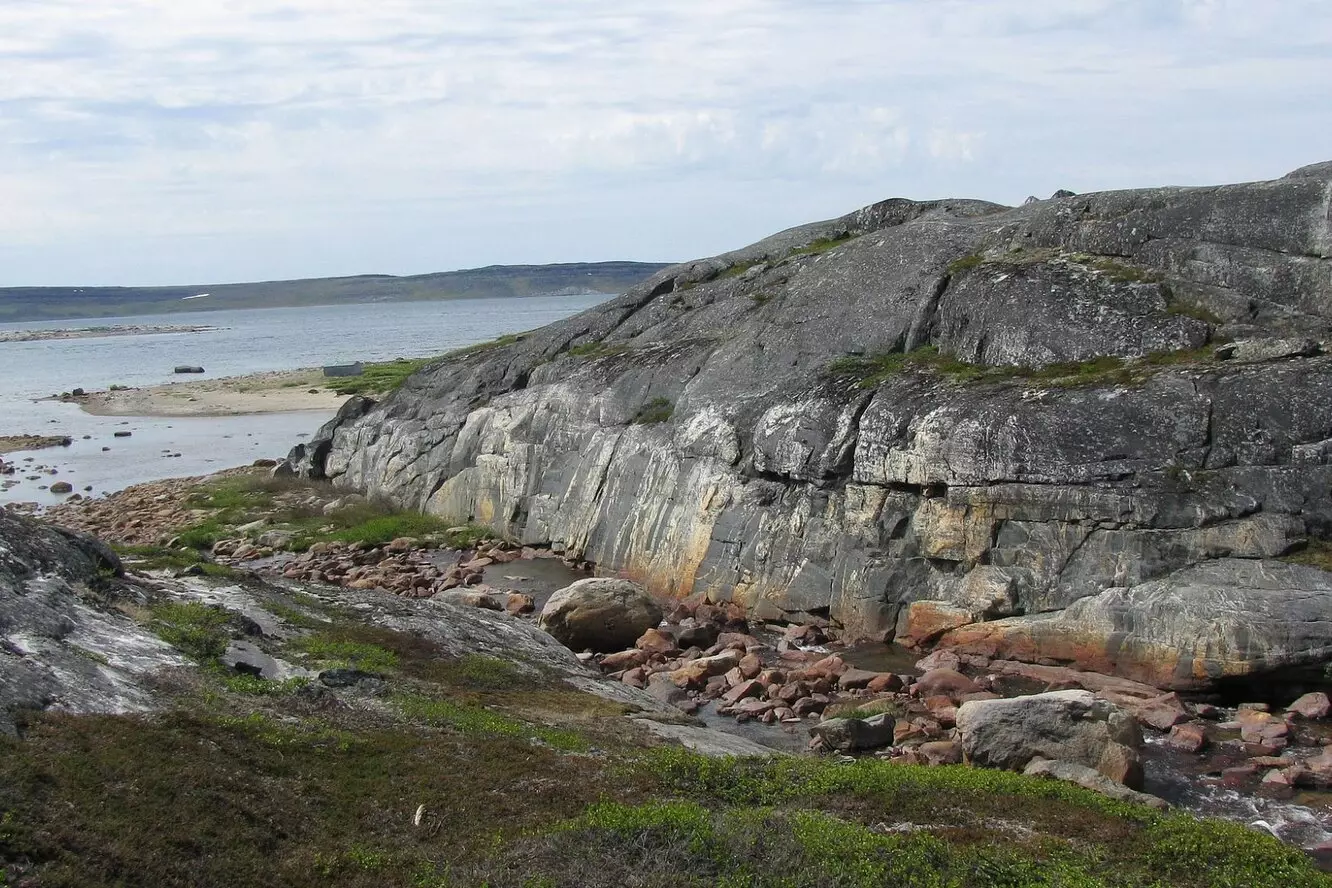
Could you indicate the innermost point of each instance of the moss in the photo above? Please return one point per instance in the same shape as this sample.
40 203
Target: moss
738 269
1314 553
965 264
1185 309
1116 269
598 350
872 371
654 411
822 245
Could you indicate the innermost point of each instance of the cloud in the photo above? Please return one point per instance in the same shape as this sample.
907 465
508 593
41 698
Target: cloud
150 141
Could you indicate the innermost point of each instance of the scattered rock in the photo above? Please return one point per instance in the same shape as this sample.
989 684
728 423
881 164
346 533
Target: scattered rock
1090 778
600 614
1069 726
855 734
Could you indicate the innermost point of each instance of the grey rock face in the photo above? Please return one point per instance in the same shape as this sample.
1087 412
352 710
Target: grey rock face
602 615
1090 778
1066 726
739 426
58 649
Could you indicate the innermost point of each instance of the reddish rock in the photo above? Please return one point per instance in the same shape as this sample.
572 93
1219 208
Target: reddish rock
927 621
884 683
1162 713
635 678
946 682
1190 738
792 691
657 642
942 709
695 673
1312 706
806 634
855 679
750 666
941 659
809 705
624 660
1238 776
744 690
517 603
830 666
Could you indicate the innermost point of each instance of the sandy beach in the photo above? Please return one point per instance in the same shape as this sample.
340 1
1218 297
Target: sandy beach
281 391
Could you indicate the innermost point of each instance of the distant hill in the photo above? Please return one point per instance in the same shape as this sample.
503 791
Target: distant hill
48 303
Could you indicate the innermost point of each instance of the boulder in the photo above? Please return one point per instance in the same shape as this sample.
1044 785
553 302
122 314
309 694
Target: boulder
1190 738
944 682
1069 726
599 614
1090 778
1311 706
855 734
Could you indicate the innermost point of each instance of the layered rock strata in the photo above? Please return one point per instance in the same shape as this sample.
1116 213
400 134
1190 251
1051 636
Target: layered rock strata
1079 431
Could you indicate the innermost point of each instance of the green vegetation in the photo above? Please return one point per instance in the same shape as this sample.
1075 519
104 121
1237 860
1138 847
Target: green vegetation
822 245
872 371
1315 553
1185 309
1116 270
478 773
598 350
193 628
739 269
965 264
654 411
283 505
163 558
330 651
478 721
761 297
378 378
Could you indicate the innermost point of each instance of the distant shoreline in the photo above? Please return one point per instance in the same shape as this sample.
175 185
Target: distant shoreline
275 391
97 332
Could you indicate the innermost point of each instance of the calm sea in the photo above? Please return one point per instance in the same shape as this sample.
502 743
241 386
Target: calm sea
243 342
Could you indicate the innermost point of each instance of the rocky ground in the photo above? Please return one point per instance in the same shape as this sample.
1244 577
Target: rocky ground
791 685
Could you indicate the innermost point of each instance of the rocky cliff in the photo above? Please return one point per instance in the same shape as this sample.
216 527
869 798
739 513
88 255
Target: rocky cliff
1078 431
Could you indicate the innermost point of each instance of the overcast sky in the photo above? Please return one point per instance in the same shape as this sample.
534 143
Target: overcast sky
198 141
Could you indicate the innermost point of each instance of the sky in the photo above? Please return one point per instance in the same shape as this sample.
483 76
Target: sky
169 142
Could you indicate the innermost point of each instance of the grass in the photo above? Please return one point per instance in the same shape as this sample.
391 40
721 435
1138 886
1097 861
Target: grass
331 651
872 371
739 269
195 629
163 558
482 723
1182 308
378 378
654 411
266 787
282 504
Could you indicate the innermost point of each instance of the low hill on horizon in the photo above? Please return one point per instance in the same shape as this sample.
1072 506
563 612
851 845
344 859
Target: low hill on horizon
54 303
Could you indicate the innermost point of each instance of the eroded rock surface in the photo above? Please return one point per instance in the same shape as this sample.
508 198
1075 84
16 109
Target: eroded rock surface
60 646
925 417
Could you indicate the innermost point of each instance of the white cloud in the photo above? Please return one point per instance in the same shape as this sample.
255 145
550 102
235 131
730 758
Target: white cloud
153 141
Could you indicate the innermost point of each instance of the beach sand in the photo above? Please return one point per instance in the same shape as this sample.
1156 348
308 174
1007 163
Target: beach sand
280 391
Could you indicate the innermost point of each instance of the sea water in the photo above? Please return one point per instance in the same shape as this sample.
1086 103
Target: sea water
241 342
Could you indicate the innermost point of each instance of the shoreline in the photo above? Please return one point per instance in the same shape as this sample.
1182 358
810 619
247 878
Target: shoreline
272 391
100 332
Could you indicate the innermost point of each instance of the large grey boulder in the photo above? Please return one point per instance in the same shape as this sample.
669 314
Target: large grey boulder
600 614
1068 726
855 734
998 411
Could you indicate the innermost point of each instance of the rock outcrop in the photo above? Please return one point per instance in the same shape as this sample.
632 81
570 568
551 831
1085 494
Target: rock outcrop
60 646
1073 431
1061 726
